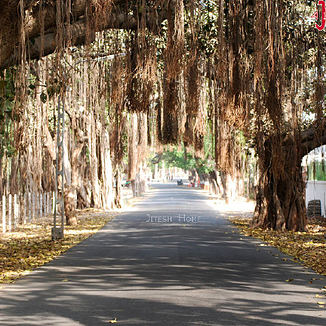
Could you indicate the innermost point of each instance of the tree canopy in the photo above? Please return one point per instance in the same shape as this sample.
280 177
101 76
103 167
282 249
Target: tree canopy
146 74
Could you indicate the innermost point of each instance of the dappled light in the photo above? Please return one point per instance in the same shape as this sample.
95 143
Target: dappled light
176 273
162 162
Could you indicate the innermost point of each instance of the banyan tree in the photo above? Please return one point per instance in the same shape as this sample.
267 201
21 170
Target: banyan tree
135 74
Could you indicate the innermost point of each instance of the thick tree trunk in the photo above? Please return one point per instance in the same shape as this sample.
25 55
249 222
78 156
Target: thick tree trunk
280 201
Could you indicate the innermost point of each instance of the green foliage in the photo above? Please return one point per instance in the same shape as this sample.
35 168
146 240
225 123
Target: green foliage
175 158
43 97
317 171
124 141
208 31
187 161
7 94
7 101
10 150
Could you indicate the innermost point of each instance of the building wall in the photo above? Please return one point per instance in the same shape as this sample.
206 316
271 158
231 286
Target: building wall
316 190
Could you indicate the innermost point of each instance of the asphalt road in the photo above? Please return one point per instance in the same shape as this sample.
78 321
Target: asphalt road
172 260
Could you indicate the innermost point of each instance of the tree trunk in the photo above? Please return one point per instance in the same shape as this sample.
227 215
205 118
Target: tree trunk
70 199
280 201
222 185
106 170
93 161
1 178
118 189
14 175
132 155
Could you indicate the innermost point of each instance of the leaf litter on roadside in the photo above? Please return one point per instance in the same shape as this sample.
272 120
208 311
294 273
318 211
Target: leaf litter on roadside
30 246
308 248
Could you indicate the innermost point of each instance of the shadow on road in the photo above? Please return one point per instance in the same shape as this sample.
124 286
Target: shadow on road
166 274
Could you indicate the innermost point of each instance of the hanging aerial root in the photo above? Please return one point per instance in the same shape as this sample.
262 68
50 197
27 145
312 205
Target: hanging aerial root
173 72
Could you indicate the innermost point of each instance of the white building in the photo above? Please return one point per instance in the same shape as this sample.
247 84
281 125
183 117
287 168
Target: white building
316 189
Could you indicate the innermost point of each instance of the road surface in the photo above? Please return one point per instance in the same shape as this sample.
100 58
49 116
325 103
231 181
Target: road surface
171 260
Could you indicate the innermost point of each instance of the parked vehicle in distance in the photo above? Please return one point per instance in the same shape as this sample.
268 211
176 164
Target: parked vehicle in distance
125 183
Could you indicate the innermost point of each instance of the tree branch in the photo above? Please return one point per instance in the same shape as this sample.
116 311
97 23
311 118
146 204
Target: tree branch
313 137
117 19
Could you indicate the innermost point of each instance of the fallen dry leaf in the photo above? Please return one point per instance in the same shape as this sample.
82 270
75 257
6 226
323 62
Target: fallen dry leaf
30 246
320 296
307 248
113 321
